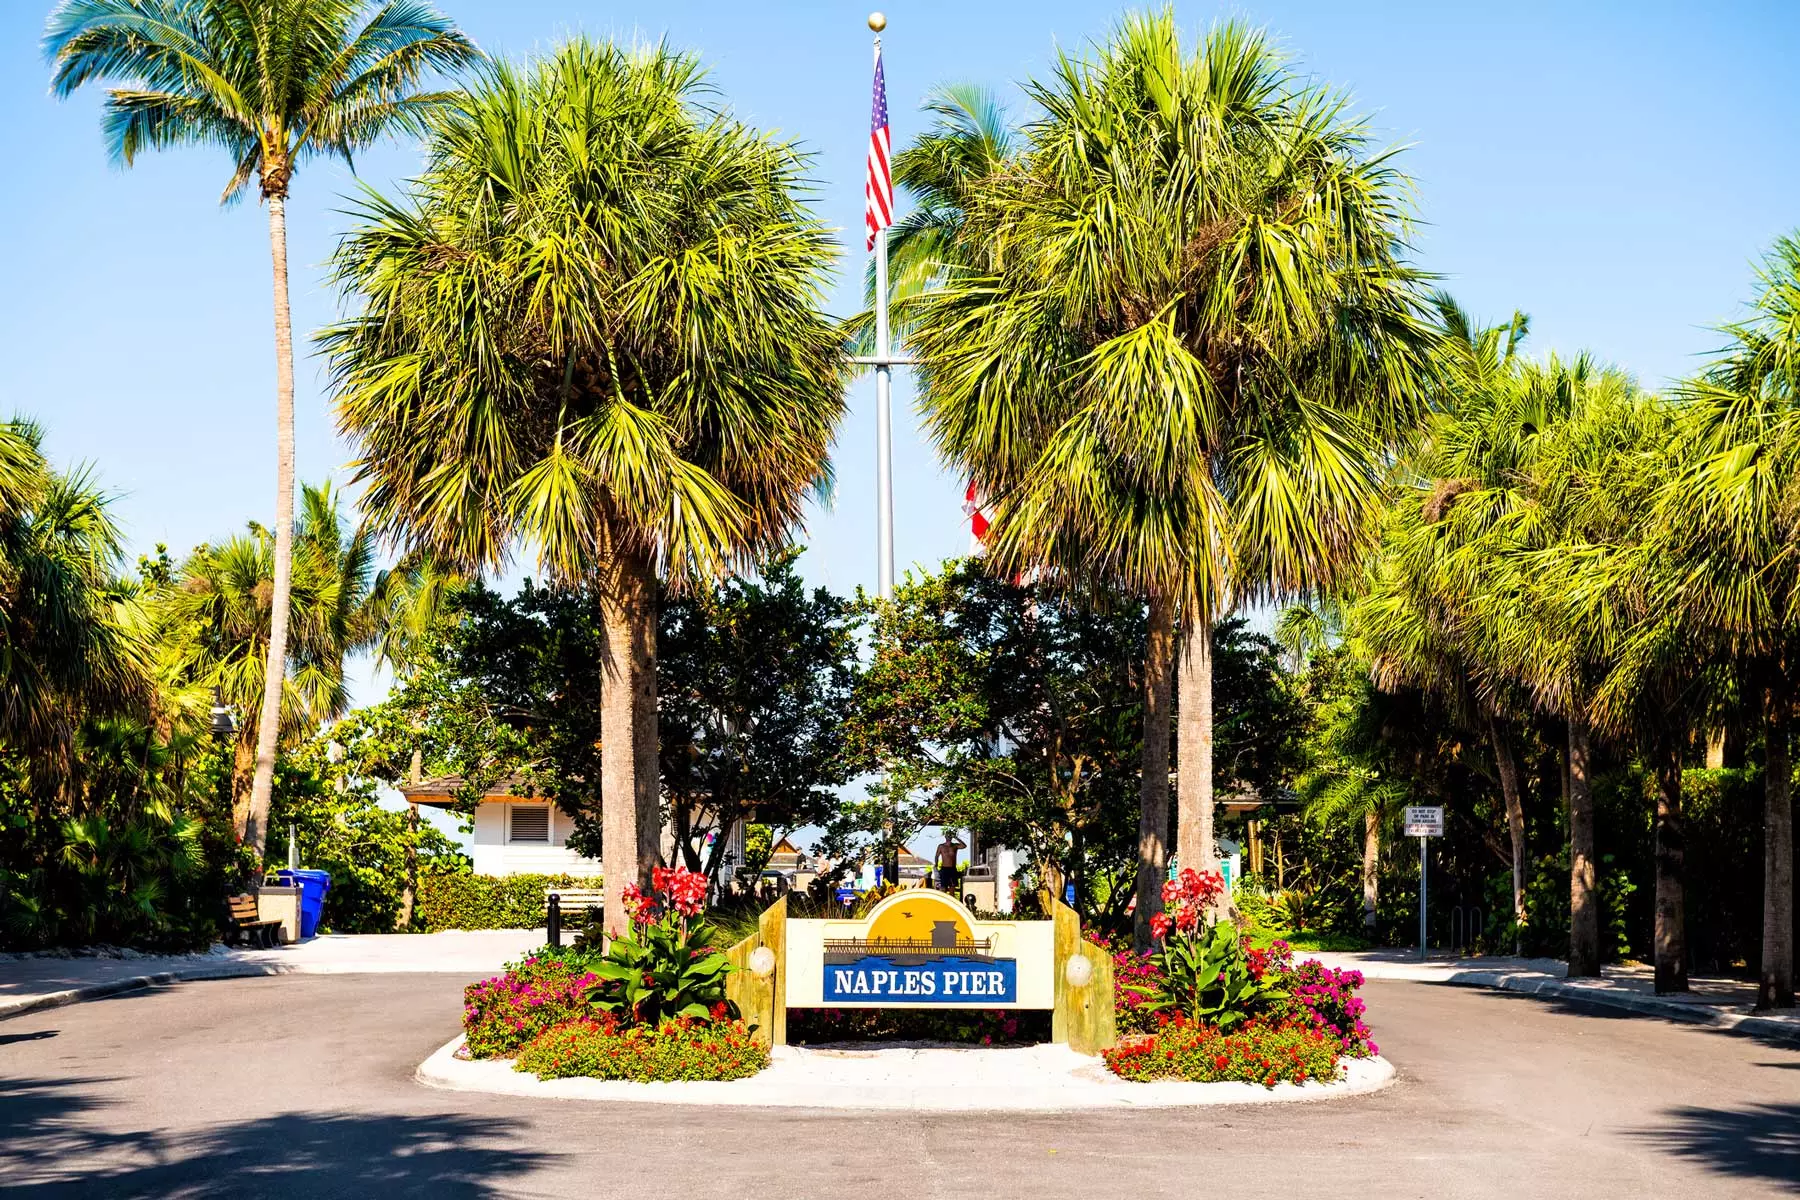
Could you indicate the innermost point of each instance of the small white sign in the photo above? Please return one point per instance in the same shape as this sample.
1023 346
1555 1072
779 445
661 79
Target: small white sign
1425 821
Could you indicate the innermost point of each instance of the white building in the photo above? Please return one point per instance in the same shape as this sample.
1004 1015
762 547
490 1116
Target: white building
514 835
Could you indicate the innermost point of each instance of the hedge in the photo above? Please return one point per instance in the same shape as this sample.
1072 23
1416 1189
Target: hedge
489 901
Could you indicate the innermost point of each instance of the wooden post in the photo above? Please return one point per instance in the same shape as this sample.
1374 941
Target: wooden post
1084 1016
772 927
762 1003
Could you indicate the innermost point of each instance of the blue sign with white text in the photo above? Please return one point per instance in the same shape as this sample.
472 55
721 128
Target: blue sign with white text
970 982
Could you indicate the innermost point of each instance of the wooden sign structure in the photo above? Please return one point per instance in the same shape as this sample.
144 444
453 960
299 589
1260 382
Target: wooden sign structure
923 949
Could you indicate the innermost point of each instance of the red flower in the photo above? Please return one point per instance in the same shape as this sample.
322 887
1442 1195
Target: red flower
1160 925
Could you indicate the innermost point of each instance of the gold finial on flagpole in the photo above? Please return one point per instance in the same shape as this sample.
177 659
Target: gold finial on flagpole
877 21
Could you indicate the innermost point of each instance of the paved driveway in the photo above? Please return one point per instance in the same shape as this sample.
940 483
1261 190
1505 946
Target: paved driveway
302 1086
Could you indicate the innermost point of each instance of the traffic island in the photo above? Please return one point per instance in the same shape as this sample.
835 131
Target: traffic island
917 1078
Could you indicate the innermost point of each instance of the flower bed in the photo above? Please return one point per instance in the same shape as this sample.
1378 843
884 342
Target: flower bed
653 1008
537 992
1258 1052
1135 978
685 1048
1209 1005
1324 999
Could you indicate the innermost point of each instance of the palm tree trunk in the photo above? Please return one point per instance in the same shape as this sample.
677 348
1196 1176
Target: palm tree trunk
646 733
1153 785
1515 821
1670 936
410 893
621 840
1194 843
1584 900
268 727
1776 987
1371 867
243 770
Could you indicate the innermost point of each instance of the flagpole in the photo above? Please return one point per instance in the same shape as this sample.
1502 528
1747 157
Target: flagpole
884 400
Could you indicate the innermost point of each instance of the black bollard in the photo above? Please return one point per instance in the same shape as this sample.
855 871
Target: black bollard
553 921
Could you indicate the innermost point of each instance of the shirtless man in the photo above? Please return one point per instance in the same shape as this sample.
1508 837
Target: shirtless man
946 861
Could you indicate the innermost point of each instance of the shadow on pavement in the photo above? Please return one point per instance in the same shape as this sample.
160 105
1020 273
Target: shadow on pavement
1591 1009
49 1147
1758 1142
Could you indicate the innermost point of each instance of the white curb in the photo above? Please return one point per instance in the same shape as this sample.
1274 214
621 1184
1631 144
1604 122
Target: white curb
972 1079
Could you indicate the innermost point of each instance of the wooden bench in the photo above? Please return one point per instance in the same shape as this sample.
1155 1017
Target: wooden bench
247 923
570 901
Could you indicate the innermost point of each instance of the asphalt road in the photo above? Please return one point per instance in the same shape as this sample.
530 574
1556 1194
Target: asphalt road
302 1086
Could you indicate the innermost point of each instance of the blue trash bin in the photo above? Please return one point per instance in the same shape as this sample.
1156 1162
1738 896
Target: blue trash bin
313 885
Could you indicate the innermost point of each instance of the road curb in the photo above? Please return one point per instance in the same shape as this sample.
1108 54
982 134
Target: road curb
1532 984
1091 1090
21 1005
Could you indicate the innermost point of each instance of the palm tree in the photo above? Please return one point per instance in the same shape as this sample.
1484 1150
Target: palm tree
1514 577
68 645
1731 517
273 82
220 615
1587 481
1356 767
969 141
1177 335
1449 609
594 329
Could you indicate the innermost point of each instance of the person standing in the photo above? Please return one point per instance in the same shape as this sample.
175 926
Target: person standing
946 861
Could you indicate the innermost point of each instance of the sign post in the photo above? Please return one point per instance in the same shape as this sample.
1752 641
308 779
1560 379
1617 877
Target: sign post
1424 822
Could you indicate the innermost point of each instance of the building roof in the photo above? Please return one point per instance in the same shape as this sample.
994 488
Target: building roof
440 790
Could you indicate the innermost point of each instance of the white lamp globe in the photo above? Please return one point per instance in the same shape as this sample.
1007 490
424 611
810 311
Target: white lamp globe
1078 971
762 962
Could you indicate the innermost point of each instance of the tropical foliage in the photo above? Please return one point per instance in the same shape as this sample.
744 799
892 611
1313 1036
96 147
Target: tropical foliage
649 388
1181 332
273 84
1170 328
666 968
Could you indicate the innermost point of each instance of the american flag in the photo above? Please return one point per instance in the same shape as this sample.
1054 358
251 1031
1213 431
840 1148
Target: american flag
878 187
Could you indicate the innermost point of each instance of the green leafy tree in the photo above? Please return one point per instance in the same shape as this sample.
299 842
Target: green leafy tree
328 800
502 691
273 83
1017 710
754 682
649 388
1006 708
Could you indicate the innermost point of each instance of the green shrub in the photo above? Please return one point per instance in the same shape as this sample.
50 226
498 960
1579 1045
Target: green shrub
668 967
457 901
681 1049
339 826
1259 1052
1203 971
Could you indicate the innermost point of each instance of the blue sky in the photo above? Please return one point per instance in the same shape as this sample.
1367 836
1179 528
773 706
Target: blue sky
1613 169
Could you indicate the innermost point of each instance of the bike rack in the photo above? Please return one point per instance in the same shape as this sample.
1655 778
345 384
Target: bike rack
1465 923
